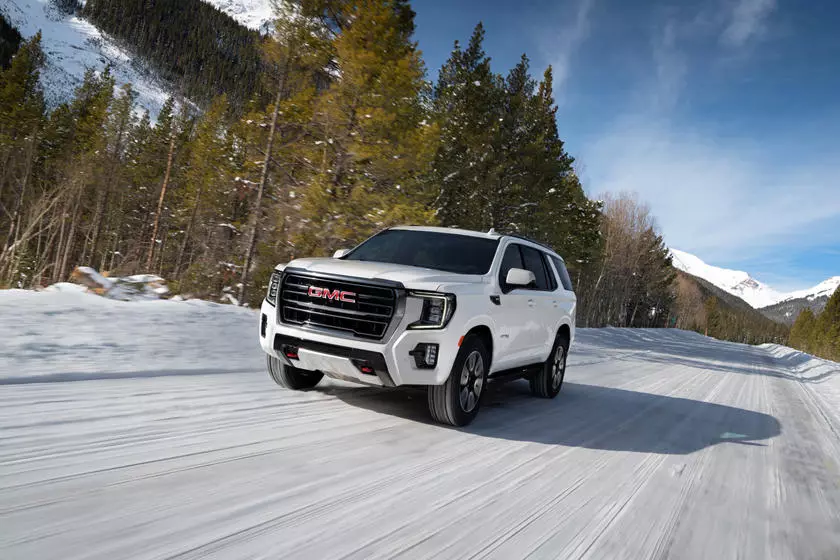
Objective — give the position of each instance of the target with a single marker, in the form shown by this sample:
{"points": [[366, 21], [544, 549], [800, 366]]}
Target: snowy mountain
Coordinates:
{"points": [[72, 44], [254, 14], [824, 289], [744, 286], [735, 282]]}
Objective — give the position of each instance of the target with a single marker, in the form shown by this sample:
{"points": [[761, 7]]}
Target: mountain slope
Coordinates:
{"points": [[73, 44], [758, 295], [735, 282], [253, 14], [733, 318], [207, 48], [788, 310], [189, 43], [824, 289]]}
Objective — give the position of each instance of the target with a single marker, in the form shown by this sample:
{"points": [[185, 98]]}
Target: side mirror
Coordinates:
{"points": [[519, 277], [340, 253]]}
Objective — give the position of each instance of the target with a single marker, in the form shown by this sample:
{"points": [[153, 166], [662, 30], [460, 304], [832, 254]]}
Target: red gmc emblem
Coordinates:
{"points": [[315, 291]]}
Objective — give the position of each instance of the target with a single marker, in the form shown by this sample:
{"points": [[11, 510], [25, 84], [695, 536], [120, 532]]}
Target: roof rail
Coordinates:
{"points": [[534, 241]]}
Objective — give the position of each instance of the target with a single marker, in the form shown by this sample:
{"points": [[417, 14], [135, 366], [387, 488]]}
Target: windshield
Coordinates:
{"points": [[451, 252]]}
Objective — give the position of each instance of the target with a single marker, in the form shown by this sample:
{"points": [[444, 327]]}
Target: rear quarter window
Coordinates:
{"points": [[564, 274]]}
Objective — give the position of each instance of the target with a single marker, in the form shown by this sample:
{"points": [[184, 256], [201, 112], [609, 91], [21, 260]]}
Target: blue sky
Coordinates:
{"points": [[724, 115]]}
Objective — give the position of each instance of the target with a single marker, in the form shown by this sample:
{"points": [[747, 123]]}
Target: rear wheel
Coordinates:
{"points": [[291, 377], [548, 381], [457, 401]]}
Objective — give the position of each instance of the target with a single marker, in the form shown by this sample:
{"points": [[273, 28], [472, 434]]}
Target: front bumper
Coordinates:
{"points": [[340, 356]]}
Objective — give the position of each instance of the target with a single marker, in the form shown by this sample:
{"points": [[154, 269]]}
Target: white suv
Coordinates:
{"points": [[444, 308]]}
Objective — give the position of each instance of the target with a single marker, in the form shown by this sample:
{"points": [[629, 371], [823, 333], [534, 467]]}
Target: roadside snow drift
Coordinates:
{"points": [[151, 430], [72, 335]]}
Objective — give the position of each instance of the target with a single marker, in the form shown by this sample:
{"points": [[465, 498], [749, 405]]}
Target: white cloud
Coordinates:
{"points": [[562, 45], [747, 20], [726, 199], [671, 67]]}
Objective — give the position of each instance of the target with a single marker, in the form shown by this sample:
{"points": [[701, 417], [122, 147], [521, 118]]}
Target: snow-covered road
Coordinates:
{"points": [[663, 444]]}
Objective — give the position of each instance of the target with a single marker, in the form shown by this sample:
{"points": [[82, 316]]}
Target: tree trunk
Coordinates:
{"points": [[16, 219], [187, 234], [61, 240], [150, 255], [98, 218], [65, 259], [252, 241]]}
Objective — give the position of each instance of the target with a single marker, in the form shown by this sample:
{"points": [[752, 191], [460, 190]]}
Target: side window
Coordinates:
{"points": [[549, 272], [511, 259], [564, 274], [534, 262]]}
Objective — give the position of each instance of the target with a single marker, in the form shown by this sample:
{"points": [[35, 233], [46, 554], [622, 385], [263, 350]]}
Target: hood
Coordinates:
{"points": [[410, 276]]}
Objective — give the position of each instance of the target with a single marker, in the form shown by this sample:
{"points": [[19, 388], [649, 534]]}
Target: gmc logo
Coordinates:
{"points": [[315, 291]]}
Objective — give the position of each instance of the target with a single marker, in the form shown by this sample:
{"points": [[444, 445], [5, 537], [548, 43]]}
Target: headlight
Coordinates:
{"points": [[273, 287], [436, 311]]}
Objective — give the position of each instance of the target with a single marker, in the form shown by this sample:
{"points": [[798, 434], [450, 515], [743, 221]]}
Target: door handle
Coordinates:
{"points": [[530, 303]]}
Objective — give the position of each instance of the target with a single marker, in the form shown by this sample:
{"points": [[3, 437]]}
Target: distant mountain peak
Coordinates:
{"points": [[825, 288], [741, 284], [735, 282], [254, 14]]}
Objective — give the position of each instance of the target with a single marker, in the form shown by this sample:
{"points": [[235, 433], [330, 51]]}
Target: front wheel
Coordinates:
{"points": [[457, 401], [290, 377], [548, 381]]}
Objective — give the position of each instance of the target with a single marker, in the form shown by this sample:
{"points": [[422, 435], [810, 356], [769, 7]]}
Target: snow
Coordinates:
{"points": [[72, 45], [67, 334], [151, 430], [741, 284], [735, 282], [255, 14], [826, 288]]}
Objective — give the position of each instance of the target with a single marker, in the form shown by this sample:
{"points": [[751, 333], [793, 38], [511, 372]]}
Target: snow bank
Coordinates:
{"points": [[127, 288], [801, 364], [67, 335], [822, 375]]}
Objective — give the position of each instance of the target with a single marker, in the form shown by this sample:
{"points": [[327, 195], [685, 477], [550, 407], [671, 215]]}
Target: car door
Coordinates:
{"points": [[541, 322], [510, 314]]}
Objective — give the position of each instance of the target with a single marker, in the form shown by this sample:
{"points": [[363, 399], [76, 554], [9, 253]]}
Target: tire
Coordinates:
{"points": [[457, 401], [549, 380], [290, 377]]}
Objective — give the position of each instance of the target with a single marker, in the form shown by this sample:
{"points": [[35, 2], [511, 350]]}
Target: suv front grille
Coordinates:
{"points": [[368, 315]]}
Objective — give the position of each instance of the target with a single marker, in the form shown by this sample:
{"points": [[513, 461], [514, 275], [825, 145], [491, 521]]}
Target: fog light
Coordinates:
{"points": [[425, 355], [364, 366]]}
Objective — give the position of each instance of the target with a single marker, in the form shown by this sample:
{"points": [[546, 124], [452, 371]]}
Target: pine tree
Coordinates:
{"points": [[21, 121], [117, 130], [202, 200], [825, 338], [802, 332], [370, 129], [563, 216], [468, 101], [713, 323], [302, 49]]}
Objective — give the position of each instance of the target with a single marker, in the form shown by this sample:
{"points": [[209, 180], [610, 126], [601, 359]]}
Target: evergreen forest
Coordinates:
{"points": [[308, 139]]}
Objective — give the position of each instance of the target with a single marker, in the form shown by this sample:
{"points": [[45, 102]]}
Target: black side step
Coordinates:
{"points": [[515, 373]]}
